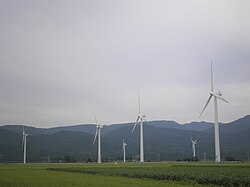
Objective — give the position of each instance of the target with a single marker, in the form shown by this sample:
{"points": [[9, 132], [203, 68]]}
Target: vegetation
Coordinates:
{"points": [[36, 175], [120, 174], [229, 175], [164, 141]]}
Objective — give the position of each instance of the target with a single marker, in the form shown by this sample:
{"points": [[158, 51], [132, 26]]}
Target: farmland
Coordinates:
{"points": [[131, 174]]}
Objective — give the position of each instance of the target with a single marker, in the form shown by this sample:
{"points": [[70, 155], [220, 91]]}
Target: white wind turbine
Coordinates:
{"points": [[24, 146], [194, 142], [124, 150], [98, 133], [216, 123], [141, 118]]}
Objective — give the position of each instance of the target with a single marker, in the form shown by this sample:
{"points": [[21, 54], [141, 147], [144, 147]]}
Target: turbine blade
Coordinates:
{"points": [[139, 104], [95, 120], [212, 84], [95, 135], [206, 104], [192, 140], [135, 124], [221, 98]]}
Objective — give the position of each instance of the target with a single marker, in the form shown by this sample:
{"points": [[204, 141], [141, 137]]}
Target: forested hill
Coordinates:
{"points": [[164, 140]]}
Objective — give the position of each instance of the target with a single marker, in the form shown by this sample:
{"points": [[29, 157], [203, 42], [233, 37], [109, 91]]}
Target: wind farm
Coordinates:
{"points": [[159, 135], [112, 93], [140, 121], [163, 138]]}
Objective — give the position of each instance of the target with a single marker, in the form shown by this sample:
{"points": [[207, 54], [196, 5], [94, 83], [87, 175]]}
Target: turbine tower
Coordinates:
{"points": [[24, 146], [141, 118], [194, 142], [98, 133], [124, 150], [216, 123]]}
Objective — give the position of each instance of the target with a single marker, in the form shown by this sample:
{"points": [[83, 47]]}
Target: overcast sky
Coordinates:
{"points": [[63, 61]]}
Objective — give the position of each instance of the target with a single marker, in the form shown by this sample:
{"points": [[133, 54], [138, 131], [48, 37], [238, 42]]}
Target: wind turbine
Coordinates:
{"points": [[194, 142], [216, 123], [141, 118], [24, 147], [98, 133], [124, 150]]}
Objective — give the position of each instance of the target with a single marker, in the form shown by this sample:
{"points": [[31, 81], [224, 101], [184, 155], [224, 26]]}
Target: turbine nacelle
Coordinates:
{"points": [[216, 94], [98, 126], [194, 141], [24, 136], [123, 143], [139, 117], [142, 116], [123, 146], [213, 94]]}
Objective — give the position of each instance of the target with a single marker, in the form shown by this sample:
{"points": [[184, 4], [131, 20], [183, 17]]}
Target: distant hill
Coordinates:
{"points": [[237, 126], [18, 129], [195, 126], [164, 140], [87, 128]]}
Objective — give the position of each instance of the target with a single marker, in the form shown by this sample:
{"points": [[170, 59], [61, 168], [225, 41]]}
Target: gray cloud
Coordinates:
{"points": [[62, 62]]}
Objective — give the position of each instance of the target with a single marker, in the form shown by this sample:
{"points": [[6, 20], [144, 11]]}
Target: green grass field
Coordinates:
{"points": [[148, 174]]}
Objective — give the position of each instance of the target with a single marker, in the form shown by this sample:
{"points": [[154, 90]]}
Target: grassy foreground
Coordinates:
{"points": [[112, 175], [34, 175], [228, 175]]}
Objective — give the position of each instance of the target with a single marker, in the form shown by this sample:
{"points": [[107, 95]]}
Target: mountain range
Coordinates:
{"points": [[164, 140]]}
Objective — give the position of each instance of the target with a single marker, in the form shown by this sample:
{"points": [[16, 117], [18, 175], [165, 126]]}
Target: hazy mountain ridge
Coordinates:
{"points": [[193, 126], [163, 141], [237, 126], [232, 127], [88, 128]]}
